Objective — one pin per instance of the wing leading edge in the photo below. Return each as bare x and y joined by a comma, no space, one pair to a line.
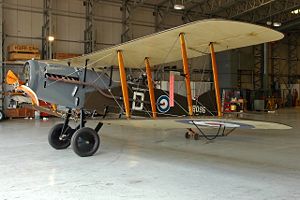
164,47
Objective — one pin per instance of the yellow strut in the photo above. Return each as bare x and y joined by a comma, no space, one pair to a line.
124,83
186,73
150,86
216,79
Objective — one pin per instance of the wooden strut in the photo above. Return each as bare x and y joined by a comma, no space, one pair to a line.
216,79
186,73
150,87
124,83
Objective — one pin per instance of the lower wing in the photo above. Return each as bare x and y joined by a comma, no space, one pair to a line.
204,122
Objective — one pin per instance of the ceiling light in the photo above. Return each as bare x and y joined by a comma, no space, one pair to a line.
276,24
179,6
297,11
269,23
50,38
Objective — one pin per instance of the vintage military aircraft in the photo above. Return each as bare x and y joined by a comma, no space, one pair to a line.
83,85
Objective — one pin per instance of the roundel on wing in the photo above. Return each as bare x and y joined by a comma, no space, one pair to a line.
163,104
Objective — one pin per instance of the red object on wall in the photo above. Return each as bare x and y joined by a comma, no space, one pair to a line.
46,105
171,89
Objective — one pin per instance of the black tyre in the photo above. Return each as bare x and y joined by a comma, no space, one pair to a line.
196,136
85,142
2,116
187,135
54,137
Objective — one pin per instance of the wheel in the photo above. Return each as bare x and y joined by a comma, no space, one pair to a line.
2,116
196,136
54,137
85,142
187,135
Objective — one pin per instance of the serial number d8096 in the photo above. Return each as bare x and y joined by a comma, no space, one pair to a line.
199,109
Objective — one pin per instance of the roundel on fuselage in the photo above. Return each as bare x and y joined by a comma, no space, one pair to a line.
163,104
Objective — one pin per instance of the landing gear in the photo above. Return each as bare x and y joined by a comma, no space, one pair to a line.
59,139
201,134
85,141
187,135
190,133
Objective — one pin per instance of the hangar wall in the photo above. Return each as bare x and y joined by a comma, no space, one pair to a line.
23,21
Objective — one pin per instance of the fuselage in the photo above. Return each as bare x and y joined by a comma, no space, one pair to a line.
77,88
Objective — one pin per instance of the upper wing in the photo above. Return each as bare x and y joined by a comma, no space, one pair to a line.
164,47
208,122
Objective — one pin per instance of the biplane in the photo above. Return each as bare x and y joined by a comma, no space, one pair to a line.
85,86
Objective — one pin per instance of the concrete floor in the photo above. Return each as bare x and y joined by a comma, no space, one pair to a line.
151,164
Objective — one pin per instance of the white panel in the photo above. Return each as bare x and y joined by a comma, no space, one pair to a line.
144,15
62,27
10,22
76,29
68,47
108,11
76,6
24,23
36,24
61,5
139,31
108,33
37,3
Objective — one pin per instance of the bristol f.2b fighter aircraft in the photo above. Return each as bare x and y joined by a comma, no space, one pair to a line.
85,86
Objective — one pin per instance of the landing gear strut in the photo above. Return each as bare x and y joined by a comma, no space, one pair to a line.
85,141
190,133
60,135
220,133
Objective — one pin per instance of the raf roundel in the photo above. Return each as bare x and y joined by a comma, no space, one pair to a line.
163,104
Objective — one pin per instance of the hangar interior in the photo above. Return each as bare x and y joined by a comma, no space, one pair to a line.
138,164
84,26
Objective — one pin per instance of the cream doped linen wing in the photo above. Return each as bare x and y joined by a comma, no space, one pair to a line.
202,122
164,47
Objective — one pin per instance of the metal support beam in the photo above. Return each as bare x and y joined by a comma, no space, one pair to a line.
258,52
161,13
150,87
124,83
255,11
128,7
275,65
2,58
292,58
216,79
266,67
47,30
1,32
186,73
126,24
89,38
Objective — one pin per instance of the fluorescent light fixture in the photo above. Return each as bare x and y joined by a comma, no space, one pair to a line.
277,24
269,23
50,38
297,11
179,6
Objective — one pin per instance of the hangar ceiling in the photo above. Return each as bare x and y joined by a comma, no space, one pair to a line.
254,11
283,15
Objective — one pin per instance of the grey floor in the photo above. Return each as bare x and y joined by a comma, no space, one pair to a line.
151,164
